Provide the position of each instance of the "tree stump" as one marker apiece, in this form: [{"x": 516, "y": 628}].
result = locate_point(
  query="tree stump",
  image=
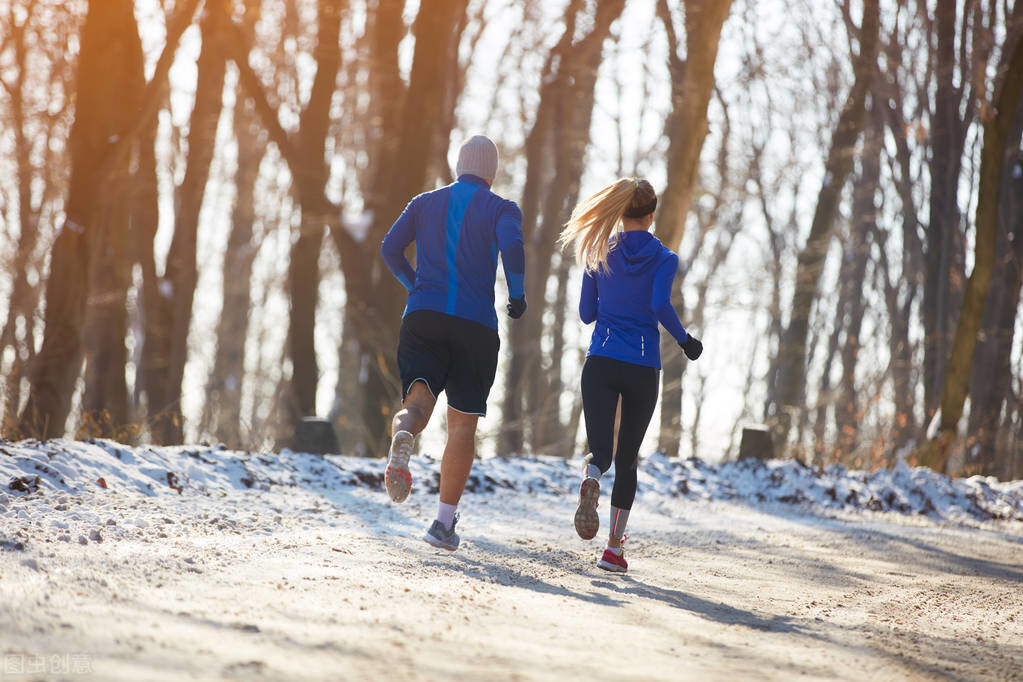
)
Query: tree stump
[
  {"x": 315, "y": 435},
  {"x": 756, "y": 443}
]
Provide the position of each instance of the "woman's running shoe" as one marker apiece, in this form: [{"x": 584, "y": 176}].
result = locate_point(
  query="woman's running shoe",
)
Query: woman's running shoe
[
  {"x": 586, "y": 519},
  {"x": 613, "y": 560}
]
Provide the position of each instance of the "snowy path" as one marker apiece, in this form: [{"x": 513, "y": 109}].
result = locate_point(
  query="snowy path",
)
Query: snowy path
[
  {"x": 202, "y": 563},
  {"x": 296, "y": 585}
]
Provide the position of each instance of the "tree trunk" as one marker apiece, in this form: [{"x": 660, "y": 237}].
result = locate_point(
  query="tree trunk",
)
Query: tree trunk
[
  {"x": 555, "y": 151},
  {"x": 385, "y": 29},
  {"x": 899, "y": 299},
  {"x": 305, "y": 154},
  {"x": 992, "y": 364},
  {"x": 386, "y": 98},
  {"x": 692, "y": 84},
  {"x": 848, "y": 407},
  {"x": 173, "y": 319},
  {"x": 310, "y": 179},
  {"x": 944, "y": 240},
  {"x": 106, "y": 405},
  {"x": 24, "y": 297},
  {"x": 825, "y": 390},
  {"x": 791, "y": 379},
  {"x": 993, "y": 160},
  {"x": 102, "y": 52},
  {"x": 222, "y": 412},
  {"x": 551, "y": 438}
]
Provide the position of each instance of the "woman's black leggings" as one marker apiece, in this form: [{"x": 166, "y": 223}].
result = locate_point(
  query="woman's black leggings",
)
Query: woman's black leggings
[{"x": 604, "y": 380}]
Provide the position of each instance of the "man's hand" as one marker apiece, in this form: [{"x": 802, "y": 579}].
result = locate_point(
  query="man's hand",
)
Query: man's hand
[
  {"x": 516, "y": 306},
  {"x": 692, "y": 347}
]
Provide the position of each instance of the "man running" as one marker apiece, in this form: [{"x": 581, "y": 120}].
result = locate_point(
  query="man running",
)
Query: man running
[{"x": 448, "y": 339}]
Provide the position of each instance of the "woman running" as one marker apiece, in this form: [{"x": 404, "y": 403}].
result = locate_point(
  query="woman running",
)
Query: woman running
[{"x": 626, "y": 289}]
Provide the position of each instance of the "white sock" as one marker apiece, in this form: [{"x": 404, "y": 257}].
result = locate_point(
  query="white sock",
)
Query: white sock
[
  {"x": 446, "y": 514},
  {"x": 591, "y": 470}
]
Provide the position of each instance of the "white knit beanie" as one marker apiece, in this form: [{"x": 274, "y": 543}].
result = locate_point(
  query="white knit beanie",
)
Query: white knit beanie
[{"x": 478, "y": 156}]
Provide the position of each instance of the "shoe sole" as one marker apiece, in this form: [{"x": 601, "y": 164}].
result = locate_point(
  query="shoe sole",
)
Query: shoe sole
[
  {"x": 438, "y": 543},
  {"x": 397, "y": 478},
  {"x": 398, "y": 483},
  {"x": 614, "y": 568},
  {"x": 587, "y": 521}
]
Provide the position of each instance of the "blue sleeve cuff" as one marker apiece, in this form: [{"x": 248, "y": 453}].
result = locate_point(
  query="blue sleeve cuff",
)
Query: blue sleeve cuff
[
  {"x": 516, "y": 284},
  {"x": 405, "y": 280}
]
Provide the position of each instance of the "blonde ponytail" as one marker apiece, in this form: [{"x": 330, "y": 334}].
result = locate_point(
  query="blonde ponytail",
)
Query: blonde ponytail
[{"x": 597, "y": 217}]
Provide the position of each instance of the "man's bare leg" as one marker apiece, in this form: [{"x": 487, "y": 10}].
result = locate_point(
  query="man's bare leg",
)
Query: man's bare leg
[
  {"x": 406, "y": 425},
  {"x": 416, "y": 410},
  {"x": 459, "y": 453}
]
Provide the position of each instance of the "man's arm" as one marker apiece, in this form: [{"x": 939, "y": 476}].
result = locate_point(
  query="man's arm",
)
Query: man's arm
[
  {"x": 397, "y": 239},
  {"x": 513, "y": 257}
]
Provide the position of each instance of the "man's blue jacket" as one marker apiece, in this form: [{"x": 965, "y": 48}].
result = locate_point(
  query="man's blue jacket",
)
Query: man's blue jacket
[{"x": 458, "y": 230}]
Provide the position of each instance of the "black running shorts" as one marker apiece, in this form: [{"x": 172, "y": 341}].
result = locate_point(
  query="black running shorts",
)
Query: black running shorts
[{"x": 450, "y": 354}]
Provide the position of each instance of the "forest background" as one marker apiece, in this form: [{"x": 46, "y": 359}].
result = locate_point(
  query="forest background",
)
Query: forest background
[{"x": 193, "y": 195}]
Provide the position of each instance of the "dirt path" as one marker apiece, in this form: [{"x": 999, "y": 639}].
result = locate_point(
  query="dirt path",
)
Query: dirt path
[{"x": 342, "y": 588}]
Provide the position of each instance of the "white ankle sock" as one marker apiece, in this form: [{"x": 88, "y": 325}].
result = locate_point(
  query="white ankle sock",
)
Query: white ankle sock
[
  {"x": 446, "y": 514},
  {"x": 593, "y": 471}
]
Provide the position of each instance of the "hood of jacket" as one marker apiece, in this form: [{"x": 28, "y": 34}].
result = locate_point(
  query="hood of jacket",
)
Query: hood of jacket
[{"x": 634, "y": 250}]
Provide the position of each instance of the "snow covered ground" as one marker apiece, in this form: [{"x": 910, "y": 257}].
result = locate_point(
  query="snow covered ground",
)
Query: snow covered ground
[{"x": 133, "y": 563}]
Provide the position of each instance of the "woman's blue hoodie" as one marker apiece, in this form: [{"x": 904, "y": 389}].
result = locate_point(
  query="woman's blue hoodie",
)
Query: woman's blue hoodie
[{"x": 630, "y": 298}]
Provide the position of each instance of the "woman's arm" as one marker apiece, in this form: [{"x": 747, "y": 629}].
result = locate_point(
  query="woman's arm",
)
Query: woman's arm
[
  {"x": 660, "y": 300},
  {"x": 588, "y": 299}
]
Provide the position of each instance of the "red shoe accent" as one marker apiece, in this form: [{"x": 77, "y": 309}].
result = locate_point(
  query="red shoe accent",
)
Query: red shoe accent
[
  {"x": 398, "y": 483},
  {"x": 612, "y": 561},
  {"x": 403, "y": 474}
]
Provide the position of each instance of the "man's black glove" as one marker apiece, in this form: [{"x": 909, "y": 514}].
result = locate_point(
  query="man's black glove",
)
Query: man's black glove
[
  {"x": 692, "y": 347},
  {"x": 516, "y": 306}
]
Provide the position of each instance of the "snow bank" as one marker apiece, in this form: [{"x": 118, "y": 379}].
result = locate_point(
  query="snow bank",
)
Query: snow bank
[{"x": 30, "y": 466}]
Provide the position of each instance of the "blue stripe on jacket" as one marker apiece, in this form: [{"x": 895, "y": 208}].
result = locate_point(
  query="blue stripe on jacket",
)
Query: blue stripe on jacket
[{"x": 458, "y": 201}]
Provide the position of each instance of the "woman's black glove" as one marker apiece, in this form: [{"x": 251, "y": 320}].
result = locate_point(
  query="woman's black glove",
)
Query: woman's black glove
[
  {"x": 692, "y": 347},
  {"x": 516, "y": 306}
]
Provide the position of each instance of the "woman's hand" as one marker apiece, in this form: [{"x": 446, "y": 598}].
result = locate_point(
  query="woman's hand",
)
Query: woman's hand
[{"x": 692, "y": 347}]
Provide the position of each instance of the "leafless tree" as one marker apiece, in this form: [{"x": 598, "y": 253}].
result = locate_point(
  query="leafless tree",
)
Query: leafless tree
[{"x": 93, "y": 156}]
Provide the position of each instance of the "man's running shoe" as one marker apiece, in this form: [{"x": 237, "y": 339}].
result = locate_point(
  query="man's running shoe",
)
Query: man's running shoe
[
  {"x": 397, "y": 478},
  {"x": 444, "y": 538},
  {"x": 613, "y": 560},
  {"x": 586, "y": 519}
]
